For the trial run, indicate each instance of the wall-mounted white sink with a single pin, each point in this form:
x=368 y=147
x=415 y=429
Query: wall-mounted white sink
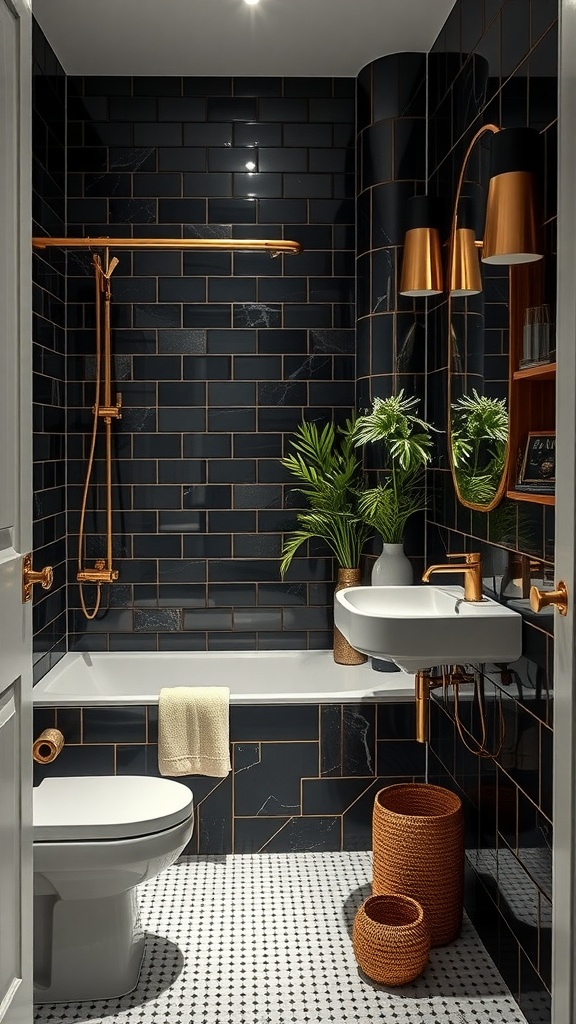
x=419 y=627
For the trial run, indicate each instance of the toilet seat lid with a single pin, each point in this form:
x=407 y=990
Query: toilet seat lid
x=108 y=807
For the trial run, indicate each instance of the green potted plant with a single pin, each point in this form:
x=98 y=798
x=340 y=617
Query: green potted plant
x=405 y=442
x=331 y=479
x=479 y=443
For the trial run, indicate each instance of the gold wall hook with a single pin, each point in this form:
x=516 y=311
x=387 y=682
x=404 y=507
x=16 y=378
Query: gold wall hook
x=45 y=578
x=540 y=599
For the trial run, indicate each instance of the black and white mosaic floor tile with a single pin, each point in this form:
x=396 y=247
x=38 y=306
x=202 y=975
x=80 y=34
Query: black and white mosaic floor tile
x=266 y=939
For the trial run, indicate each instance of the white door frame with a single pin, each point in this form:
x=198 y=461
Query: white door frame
x=16 y=524
x=564 y=846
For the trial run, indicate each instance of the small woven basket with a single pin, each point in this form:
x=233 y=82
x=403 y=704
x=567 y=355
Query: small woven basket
x=418 y=846
x=391 y=939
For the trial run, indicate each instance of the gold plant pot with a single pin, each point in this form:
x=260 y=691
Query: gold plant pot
x=344 y=654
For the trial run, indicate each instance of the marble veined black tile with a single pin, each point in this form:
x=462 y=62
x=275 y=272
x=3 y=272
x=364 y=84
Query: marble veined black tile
x=358 y=739
x=213 y=827
x=330 y=740
x=251 y=835
x=306 y=833
x=270 y=782
x=332 y=796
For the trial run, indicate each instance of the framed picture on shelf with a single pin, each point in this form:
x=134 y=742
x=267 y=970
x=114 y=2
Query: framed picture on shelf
x=538 y=468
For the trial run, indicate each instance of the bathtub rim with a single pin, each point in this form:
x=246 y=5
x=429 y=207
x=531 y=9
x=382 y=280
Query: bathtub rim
x=386 y=687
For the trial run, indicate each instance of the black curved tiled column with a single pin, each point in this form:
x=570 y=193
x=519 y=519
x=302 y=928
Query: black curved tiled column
x=391 y=167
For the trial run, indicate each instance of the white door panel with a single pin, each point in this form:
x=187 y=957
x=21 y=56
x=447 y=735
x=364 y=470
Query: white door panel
x=10 y=880
x=9 y=59
x=15 y=516
x=564 y=850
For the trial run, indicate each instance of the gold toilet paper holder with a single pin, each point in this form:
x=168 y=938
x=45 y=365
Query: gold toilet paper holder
x=49 y=744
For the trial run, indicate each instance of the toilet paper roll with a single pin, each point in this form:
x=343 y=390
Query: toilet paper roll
x=48 y=745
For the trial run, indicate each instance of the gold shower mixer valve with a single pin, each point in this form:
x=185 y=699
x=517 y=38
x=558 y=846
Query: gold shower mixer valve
x=110 y=412
x=99 y=574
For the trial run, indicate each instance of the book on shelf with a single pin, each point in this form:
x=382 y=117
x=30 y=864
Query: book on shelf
x=536 y=488
x=525 y=364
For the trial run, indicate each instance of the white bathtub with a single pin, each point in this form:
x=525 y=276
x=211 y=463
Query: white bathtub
x=263 y=677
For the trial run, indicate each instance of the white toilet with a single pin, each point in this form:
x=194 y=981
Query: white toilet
x=95 y=840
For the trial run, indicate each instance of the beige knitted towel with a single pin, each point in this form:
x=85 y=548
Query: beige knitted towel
x=193 y=731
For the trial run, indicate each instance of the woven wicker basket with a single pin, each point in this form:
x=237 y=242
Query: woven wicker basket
x=391 y=939
x=418 y=845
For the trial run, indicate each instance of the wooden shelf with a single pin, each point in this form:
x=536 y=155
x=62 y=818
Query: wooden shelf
x=547 y=371
x=537 y=499
x=532 y=390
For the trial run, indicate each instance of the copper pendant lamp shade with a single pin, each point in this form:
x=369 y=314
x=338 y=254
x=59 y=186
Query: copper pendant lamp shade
x=465 y=276
x=512 y=229
x=422 y=263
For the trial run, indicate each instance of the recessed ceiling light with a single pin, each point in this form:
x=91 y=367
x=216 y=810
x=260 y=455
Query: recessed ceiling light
x=251 y=2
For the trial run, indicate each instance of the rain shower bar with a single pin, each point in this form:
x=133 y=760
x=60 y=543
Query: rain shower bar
x=275 y=246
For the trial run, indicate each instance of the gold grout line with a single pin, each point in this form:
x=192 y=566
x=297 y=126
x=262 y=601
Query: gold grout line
x=262 y=849
x=373 y=782
x=217 y=786
x=265 y=817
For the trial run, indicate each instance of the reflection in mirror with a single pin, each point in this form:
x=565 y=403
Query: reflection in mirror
x=479 y=439
x=509 y=576
x=478 y=326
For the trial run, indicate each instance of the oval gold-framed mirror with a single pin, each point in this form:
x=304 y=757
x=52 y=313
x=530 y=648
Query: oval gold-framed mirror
x=494 y=217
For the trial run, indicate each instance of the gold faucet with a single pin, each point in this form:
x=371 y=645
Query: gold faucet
x=472 y=569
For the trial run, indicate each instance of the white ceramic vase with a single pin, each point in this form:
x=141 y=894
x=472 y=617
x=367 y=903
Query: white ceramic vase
x=392 y=568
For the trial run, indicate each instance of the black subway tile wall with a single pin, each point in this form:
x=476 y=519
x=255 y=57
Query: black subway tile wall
x=496 y=62
x=391 y=167
x=49 y=353
x=218 y=356
x=304 y=776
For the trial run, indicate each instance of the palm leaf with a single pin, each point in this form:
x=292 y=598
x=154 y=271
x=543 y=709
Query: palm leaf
x=330 y=475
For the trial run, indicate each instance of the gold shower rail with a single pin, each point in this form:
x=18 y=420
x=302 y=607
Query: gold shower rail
x=275 y=246
x=103 y=571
